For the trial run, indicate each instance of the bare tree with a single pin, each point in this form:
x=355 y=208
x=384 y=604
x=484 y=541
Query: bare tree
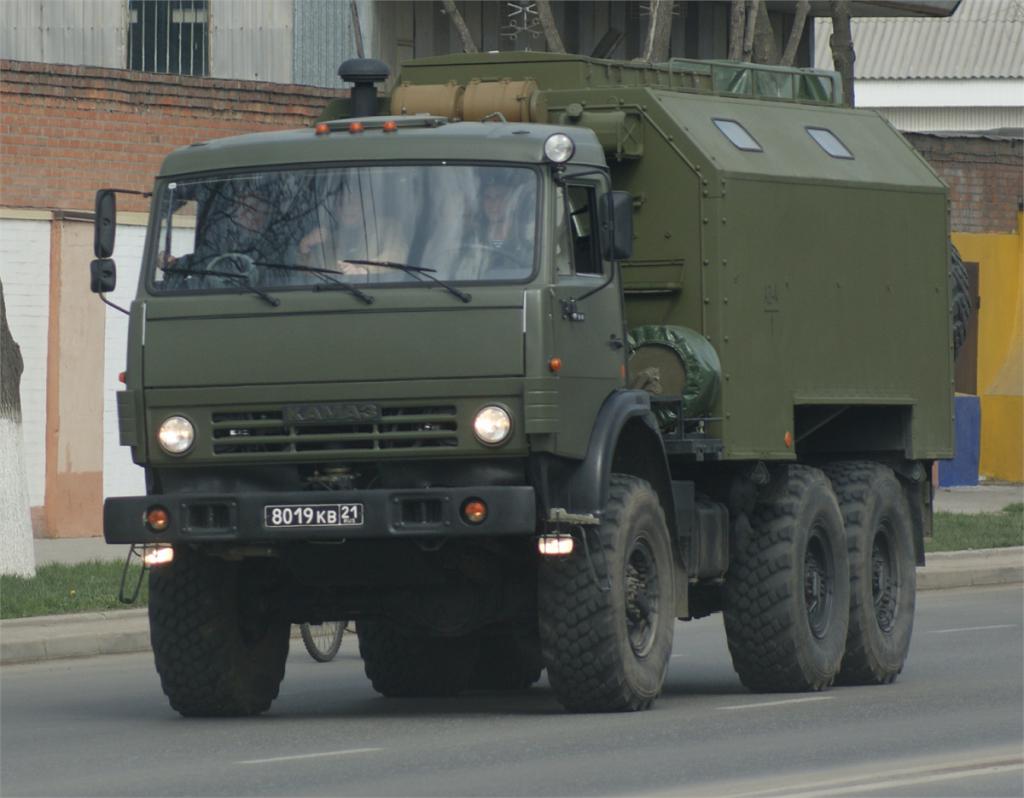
x=17 y=555
x=547 y=23
x=841 y=43
x=468 y=45
x=737 y=26
x=659 y=31
x=796 y=33
x=753 y=17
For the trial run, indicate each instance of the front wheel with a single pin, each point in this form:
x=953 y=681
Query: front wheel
x=606 y=619
x=787 y=591
x=220 y=648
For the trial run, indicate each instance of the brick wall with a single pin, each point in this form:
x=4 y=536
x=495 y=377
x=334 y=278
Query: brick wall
x=66 y=131
x=985 y=176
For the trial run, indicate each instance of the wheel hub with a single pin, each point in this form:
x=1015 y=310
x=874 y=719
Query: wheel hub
x=884 y=582
x=642 y=602
x=818 y=585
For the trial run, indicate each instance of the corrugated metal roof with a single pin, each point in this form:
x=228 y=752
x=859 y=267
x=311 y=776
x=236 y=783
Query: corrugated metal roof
x=982 y=39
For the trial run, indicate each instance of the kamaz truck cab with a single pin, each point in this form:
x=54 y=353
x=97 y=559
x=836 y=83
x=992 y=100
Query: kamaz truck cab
x=417 y=367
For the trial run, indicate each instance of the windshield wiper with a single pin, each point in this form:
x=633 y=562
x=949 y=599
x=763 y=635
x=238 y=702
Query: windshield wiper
x=414 y=270
x=241 y=280
x=329 y=277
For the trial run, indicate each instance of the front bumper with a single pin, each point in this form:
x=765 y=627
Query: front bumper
x=387 y=514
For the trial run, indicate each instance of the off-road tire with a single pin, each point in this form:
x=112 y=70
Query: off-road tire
x=219 y=649
x=880 y=544
x=787 y=591
x=404 y=665
x=598 y=659
x=507 y=662
x=961 y=299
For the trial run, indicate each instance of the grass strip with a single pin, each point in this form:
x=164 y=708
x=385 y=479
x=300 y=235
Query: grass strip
x=57 y=589
x=960 y=531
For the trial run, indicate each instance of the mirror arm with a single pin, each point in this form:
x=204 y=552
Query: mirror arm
x=105 y=301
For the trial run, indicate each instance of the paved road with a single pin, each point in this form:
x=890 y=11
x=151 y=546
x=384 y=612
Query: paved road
x=952 y=725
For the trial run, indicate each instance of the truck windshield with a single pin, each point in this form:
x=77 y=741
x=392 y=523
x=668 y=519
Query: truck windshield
x=307 y=227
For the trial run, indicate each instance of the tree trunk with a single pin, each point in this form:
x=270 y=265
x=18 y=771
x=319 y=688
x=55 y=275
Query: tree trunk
x=17 y=555
x=659 y=32
x=468 y=45
x=748 y=35
x=547 y=22
x=841 y=43
x=357 y=29
x=764 y=50
x=796 y=33
x=737 y=27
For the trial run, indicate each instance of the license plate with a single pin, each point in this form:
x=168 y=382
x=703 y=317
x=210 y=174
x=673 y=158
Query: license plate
x=289 y=515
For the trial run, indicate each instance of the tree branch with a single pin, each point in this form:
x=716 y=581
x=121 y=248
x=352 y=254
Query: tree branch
x=547 y=22
x=468 y=45
x=796 y=33
x=659 y=32
x=841 y=42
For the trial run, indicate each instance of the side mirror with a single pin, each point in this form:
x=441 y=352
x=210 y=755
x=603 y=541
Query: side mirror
x=104 y=275
x=617 y=212
x=105 y=224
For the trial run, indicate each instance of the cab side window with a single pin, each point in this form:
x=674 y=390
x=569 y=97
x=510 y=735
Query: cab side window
x=584 y=229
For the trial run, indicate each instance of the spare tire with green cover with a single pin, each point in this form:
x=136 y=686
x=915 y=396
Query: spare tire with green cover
x=670 y=360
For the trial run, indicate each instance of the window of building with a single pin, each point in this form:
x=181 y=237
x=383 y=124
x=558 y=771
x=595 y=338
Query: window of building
x=737 y=134
x=169 y=36
x=829 y=142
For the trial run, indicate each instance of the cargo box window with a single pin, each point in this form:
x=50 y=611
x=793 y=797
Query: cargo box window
x=737 y=134
x=828 y=141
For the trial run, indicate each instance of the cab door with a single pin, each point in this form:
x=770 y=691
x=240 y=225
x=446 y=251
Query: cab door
x=589 y=336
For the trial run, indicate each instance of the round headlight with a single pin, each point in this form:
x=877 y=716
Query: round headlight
x=492 y=425
x=176 y=435
x=559 y=148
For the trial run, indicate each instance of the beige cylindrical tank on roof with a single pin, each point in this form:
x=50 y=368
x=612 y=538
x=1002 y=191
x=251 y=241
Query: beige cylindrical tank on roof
x=515 y=100
x=440 y=99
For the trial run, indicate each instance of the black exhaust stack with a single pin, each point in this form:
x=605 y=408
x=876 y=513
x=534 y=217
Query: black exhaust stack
x=362 y=73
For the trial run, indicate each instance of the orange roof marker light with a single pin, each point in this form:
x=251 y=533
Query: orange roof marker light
x=355 y=127
x=390 y=126
x=322 y=128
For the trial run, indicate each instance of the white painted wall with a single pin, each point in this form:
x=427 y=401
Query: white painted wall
x=25 y=271
x=121 y=477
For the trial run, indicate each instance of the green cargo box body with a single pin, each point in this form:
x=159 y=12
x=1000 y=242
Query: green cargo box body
x=821 y=281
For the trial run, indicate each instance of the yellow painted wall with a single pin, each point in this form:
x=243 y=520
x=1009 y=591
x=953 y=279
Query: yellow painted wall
x=1000 y=259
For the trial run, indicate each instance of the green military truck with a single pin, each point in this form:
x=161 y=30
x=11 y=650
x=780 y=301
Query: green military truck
x=521 y=363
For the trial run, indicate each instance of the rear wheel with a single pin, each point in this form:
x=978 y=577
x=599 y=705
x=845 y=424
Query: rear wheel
x=606 y=621
x=787 y=592
x=400 y=664
x=220 y=648
x=883 y=580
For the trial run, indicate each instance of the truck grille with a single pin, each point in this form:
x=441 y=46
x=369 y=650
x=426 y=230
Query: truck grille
x=266 y=432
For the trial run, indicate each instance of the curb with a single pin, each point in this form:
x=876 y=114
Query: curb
x=53 y=637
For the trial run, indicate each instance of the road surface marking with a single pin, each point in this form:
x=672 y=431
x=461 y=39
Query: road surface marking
x=297 y=757
x=888 y=784
x=887 y=780
x=779 y=703
x=972 y=629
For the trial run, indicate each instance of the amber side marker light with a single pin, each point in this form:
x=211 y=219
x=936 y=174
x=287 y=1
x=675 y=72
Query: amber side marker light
x=555 y=364
x=474 y=511
x=555 y=545
x=355 y=127
x=390 y=126
x=123 y=378
x=161 y=555
x=322 y=128
x=788 y=439
x=157 y=519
